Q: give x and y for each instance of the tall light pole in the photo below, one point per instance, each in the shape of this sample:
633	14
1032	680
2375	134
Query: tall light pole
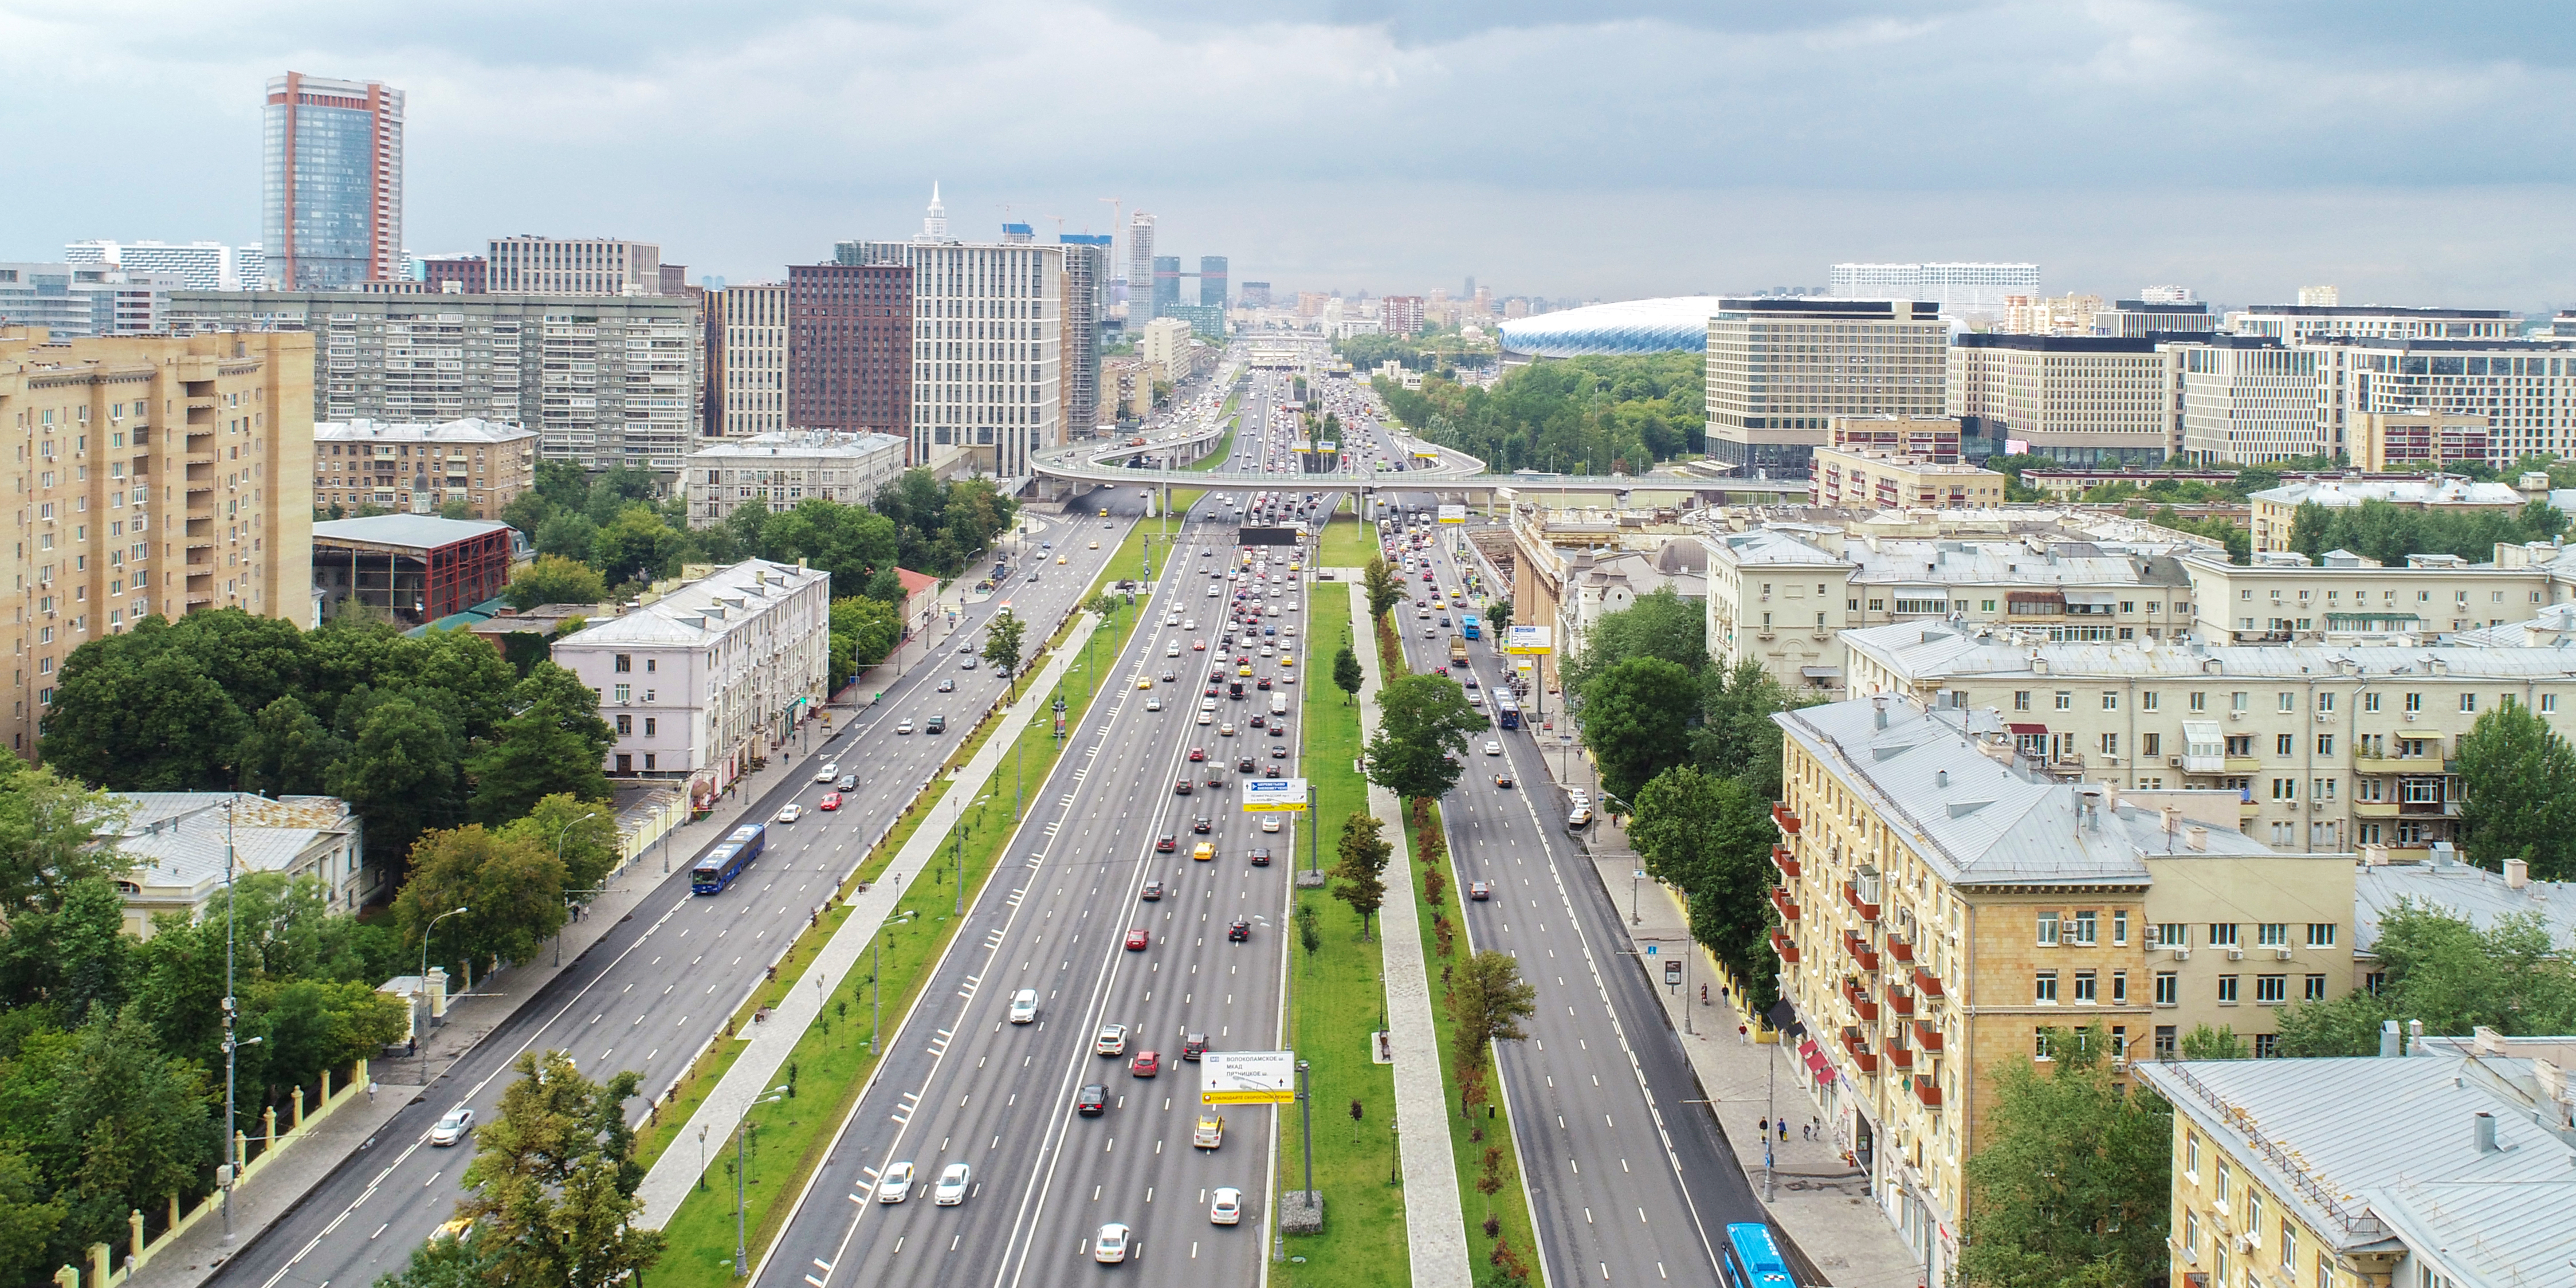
560	834
232	1161
741	1244
425	933
876	979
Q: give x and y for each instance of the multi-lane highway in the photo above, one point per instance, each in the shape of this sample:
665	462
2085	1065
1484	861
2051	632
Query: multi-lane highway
1631	1183
648	995
962	1084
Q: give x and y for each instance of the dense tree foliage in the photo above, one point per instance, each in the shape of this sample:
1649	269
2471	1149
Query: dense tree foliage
1636	721
1423	723
1440	351
509	882
2389	532
1711	836
1597	415
864	631
2072	1184
552	1185
2450	974
1360	875
2516	772
1660	624
553	579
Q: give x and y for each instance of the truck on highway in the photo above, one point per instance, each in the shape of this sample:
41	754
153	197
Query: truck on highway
1457	651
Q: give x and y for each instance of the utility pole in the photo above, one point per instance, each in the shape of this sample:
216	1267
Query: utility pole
560	834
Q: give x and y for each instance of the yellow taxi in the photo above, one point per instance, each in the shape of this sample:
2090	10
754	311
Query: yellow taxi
1285	660
1144	682
1243	670
1094	545
1059	559
1203	852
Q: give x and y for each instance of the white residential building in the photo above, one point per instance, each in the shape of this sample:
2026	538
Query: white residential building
780	469
711	675
2080	400
1959	288
2303	321
179	843
574	266
2248	400
200	266
747	363
1781	371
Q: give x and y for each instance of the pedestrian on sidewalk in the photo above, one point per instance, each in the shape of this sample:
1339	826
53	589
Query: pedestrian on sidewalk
1743	1035
371	1091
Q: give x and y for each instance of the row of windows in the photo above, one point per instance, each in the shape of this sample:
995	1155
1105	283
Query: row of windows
2224	934
2241	701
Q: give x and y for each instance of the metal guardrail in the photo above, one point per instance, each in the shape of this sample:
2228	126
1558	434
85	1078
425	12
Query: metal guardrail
2301	1179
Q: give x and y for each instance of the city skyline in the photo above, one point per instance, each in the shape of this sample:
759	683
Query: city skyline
1648	149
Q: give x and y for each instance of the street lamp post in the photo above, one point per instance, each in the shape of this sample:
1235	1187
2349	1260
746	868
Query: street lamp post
560	834
741	1244
876	980
425	933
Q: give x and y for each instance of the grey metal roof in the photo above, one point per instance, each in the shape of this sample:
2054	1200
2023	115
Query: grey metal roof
419	531
1925	651
471	429
1976	819
177	839
2472	893
704	610
2371	1147
2435	490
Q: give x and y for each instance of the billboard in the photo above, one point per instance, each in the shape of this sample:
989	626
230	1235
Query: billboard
1248	1078
1453	514
1529	639
1274	795
1267	536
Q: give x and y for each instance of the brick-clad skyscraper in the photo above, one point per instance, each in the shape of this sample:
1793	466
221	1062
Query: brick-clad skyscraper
849	347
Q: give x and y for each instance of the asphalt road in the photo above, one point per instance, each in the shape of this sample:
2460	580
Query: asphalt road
962	1085
1630	1182
647	996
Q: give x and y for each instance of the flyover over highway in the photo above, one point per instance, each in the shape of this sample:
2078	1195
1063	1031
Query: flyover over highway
1455	475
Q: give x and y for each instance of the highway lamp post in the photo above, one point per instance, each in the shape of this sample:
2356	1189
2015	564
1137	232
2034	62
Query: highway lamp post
560	834
232	1161
1306	1113
876	980
425	933
741	1243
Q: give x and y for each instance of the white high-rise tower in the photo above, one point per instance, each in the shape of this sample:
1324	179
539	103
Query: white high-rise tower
934	223
1140	271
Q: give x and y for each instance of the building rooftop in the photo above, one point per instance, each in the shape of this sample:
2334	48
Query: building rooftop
179	839
1976	815
468	430
2438	489
2471	893
702	611
798	442
411	531
1929	650
2379	1151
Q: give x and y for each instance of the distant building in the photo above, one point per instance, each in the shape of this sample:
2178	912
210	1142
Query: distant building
1204	320
1165	344
1859	478
2398	440
2247	400
1933	438
181	843
2276	509
422	468
531	265
1086	309
416	567
1256	295
747	359
1959	288
466	274
1140	271
2305	321
2165	294
1400	314
1780	370
708	676
332	167
777	470
199	266
2132	318
74	300
2080	400
2049	315
850	347
1212	283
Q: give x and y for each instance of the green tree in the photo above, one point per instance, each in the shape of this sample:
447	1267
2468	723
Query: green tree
513	888
864	631
1003	636
1385	587
1712	837
1659	625
2074	1178
2515	771
447	1261
567	535
582	831
289	751
1488	999
2206	1043
308	1025
1423	723
402	771
1636	721
128	1124
49	828
635	547
852	543
1310	933
1498	616
1736	737
30	1218
553	579
554	744
554	1174
140	712
1347	675
1361	873
1103	606
2452	975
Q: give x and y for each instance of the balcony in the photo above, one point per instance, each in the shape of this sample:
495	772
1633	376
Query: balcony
1788	907
1926	983
2243	765
1785	946
1863	1058
1781	815
1927	1090
1900	1001
1900	948
1861	1004
1785	861
2418	765
1900	1057
1860	950
1927	1036
1867	908
2375	809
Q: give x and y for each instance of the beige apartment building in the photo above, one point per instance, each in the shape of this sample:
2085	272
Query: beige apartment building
1859	479
1947	909
422	469
2087	401
747	364
574	266
2327	749
2283	597
2398	440
1781	370
153	474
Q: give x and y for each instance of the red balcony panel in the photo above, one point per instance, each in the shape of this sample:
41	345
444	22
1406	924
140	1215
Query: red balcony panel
1900	1057
1861	1003
1927	1090
1788	907
1927	1036
1781	815
1787	862
1851	894
1863	1058
1900	1001
1927	983
1900	948
1785	946
1860	950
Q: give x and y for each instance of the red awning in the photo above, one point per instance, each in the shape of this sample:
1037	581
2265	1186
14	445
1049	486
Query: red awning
2039	729
1815	1060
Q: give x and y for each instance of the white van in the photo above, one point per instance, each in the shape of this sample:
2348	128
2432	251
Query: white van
1278	705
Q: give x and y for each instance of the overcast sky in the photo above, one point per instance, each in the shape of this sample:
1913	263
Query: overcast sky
2407	152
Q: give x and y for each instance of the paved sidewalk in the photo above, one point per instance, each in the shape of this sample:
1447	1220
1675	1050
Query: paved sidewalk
1435	1223
675	1174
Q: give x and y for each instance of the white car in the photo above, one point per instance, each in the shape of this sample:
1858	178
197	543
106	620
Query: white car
896	1184
954	1180
1172	649
1225	1205
1154	704
790	812
1269	822
831	769
452	1129
1493	748
1109	1247
1214	591
1112	1040
1024	1006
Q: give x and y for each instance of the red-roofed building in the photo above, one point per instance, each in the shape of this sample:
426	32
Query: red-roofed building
920	599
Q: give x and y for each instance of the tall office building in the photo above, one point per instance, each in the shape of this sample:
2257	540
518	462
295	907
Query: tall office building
332	182
158	474
2082	400
199	266
526	265
1212	282
1140	271
1167	283
1957	287
1256	295
747	368
2247	400
1399	314
1780	370
849	347
471	274
85	299
604	380
1086	305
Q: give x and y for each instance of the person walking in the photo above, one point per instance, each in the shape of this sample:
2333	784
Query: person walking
1743	1035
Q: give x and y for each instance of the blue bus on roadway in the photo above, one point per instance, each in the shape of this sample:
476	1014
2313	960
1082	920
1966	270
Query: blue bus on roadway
1468	624
1753	1260
1507	712
725	862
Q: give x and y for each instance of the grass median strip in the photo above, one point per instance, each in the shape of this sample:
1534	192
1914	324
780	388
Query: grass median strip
1337	999
1349	543
831	1063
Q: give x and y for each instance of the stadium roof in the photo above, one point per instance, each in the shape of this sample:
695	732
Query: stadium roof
1668	325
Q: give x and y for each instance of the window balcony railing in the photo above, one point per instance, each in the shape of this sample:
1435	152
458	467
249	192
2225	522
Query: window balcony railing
1863	1058
1927	1036
1788	907
1900	948
1782	944
1788	821
1860	950
1926	983
1785	861
1867	908
1927	1090
1861	1003
1900	1001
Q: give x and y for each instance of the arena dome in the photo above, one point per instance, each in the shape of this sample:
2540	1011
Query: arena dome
1668	325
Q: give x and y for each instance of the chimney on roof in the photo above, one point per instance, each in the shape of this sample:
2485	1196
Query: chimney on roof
2482	1131
1878	701
2390	1044
2196	838
2517	873
2414	1034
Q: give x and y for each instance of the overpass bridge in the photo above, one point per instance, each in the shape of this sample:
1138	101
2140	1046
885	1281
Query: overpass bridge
1453	476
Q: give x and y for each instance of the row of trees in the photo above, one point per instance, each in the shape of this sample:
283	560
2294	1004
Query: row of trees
1601	415
2388	532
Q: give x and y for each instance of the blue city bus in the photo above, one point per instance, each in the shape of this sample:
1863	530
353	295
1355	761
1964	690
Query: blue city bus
726	861
1507	712
1468	624
1753	1260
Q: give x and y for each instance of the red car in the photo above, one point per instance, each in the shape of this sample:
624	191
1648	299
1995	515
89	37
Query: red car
1198	754
1146	1064
1136	941
831	800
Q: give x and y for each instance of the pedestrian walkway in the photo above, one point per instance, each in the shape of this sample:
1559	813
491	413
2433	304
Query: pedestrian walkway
1435	1224
756	1069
